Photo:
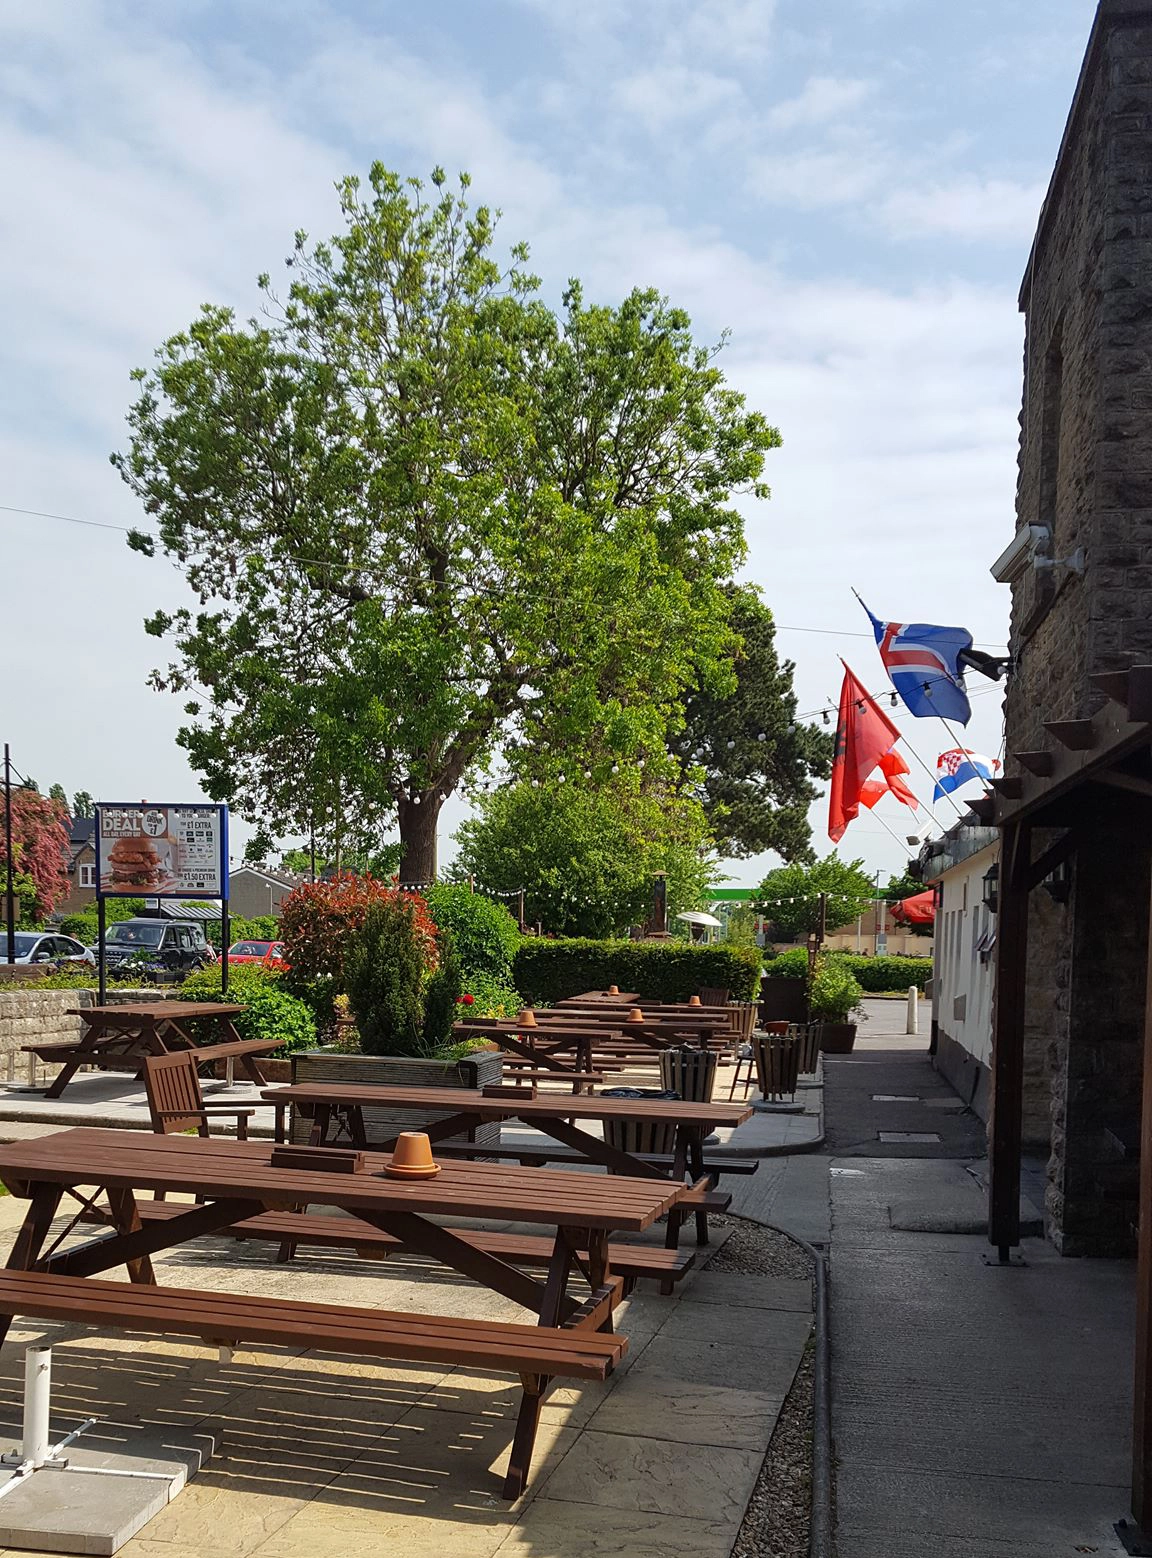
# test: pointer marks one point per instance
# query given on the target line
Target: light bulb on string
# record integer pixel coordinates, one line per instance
(731, 744)
(762, 736)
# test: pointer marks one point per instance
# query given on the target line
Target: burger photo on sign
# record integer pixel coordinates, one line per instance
(136, 863)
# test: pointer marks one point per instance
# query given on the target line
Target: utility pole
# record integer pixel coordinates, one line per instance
(10, 886)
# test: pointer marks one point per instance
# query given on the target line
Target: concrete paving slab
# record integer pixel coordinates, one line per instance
(731, 1288)
(83, 1508)
(634, 1472)
(977, 1410)
(766, 1368)
(670, 1407)
(563, 1530)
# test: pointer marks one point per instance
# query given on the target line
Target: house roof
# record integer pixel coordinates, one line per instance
(81, 829)
(268, 874)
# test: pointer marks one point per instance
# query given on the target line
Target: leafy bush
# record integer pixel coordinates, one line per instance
(384, 975)
(261, 927)
(85, 926)
(485, 934)
(548, 971)
(77, 976)
(442, 996)
(789, 965)
(490, 998)
(890, 973)
(319, 924)
(834, 991)
(271, 1011)
(872, 973)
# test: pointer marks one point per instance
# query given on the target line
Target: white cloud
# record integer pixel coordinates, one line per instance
(668, 94)
(140, 181)
(823, 98)
(974, 209)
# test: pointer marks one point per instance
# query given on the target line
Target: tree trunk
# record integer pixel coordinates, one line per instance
(418, 839)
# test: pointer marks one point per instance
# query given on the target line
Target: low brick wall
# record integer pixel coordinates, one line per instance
(32, 1016)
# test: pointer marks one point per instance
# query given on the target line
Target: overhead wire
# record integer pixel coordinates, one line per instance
(369, 570)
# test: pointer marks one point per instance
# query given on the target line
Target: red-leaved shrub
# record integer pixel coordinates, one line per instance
(319, 922)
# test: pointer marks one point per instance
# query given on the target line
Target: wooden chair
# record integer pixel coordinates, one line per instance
(712, 995)
(175, 1101)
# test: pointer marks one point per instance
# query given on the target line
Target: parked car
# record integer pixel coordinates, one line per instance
(156, 945)
(36, 946)
(270, 954)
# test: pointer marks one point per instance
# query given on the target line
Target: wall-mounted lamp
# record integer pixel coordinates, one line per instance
(992, 887)
(1059, 884)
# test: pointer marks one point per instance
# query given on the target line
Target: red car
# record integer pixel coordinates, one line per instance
(268, 953)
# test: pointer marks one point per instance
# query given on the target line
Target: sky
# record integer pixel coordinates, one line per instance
(849, 189)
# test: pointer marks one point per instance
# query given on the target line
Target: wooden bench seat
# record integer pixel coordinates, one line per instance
(629, 1261)
(232, 1049)
(538, 1352)
(543, 1074)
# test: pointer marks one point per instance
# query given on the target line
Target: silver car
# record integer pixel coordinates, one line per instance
(38, 946)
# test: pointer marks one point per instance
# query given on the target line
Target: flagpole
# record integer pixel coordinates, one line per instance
(892, 831)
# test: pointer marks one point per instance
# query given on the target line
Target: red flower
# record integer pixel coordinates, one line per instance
(466, 1000)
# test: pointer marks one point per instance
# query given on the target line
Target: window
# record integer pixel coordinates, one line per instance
(88, 876)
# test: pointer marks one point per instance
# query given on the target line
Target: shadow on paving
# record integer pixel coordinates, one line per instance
(878, 1092)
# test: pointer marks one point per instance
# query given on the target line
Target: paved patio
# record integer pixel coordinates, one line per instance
(324, 1454)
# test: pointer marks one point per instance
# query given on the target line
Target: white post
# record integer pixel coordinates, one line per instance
(912, 1025)
(37, 1399)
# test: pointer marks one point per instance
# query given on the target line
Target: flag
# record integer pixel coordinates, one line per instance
(959, 766)
(893, 767)
(923, 664)
(863, 735)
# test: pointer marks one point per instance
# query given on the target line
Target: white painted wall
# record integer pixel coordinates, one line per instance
(962, 980)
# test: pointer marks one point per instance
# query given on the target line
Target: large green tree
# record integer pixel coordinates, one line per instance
(789, 898)
(742, 753)
(586, 856)
(416, 507)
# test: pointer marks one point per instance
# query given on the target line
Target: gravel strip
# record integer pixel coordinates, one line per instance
(777, 1521)
(754, 1249)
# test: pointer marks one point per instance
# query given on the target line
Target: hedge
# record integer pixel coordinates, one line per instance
(549, 971)
(873, 973)
(270, 1012)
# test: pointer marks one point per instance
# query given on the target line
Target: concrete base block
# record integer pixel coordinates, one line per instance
(78, 1508)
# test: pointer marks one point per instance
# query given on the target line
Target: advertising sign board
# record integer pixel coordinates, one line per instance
(161, 851)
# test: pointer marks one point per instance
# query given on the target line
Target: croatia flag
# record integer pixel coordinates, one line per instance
(923, 664)
(959, 766)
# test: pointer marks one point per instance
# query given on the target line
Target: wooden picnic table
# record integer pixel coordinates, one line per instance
(237, 1181)
(336, 1106)
(129, 1032)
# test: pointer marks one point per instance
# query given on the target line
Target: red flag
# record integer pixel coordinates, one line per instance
(893, 767)
(863, 736)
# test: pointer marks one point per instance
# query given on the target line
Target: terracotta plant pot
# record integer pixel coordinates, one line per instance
(613, 989)
(412, 1157)
(693, 1000)
(527, 1017)
(837, 1038)
(635, 1015)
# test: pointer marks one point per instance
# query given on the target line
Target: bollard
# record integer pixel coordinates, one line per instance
(912, 1025)
(37, 1398)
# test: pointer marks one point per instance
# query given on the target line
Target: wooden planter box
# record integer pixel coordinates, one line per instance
(836, 1038)
(483, 1069)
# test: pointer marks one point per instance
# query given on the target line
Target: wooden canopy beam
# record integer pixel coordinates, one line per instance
(1121, 781)
(1051, 860)
(1038, 763)
(1078, 735)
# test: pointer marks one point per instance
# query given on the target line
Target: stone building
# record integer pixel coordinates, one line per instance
(1080, 570)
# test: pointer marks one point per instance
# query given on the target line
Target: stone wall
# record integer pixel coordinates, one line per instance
(1085, 470)
(29, 1015)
